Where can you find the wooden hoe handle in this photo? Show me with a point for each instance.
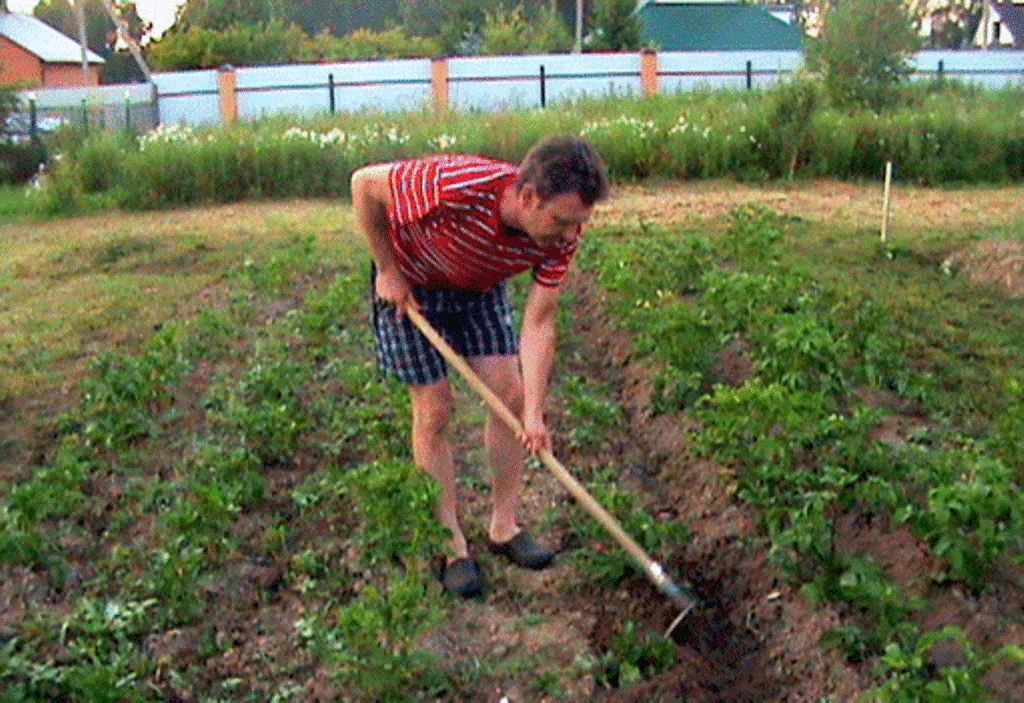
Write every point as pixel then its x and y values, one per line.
pixel 651 568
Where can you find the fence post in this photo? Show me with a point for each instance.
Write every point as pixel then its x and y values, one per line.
pixel 439 73
pixel 543 88
pixel 750 74
pixel 127 111
pixel 330 87
pixel 33 117
pixel 649 72
pixel 942 68
pixel 228 95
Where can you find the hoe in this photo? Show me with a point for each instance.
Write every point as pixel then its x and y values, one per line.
pixel 685 600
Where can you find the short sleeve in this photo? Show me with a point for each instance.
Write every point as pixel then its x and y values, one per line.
pixel 552 271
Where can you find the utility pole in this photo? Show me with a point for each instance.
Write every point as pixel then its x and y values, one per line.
pixel 578 47
pixel 83 39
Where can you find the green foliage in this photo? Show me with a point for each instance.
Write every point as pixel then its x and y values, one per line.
pixel 395 502
pixel 371 642
pixel 364 44
pixel 609 564
pixel 126 394
pixel 262 410
pixel 911 677
pixel 247 44
pixel 615 26
pixel 219 15
pixel 593 414
pixel 101 658
pixel 633 656
pixel 864 51
pixel 99 28
pixel 508 31
pixel 1007 438
pixel 878 602
pixel 789 111
pixel 943 137
pixel 972 514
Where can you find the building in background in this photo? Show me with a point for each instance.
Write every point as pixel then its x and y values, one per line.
pixel 1002 26
pixel 35 55
pixel 716 25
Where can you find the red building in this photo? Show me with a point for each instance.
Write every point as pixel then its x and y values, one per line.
pixel 35 55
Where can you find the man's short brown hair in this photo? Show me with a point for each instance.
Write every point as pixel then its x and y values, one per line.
pixel 565 164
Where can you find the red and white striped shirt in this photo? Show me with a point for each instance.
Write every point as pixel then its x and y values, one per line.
pixel 446 228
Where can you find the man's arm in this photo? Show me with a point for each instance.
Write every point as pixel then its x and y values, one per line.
pixel 371 199
pixel 536 354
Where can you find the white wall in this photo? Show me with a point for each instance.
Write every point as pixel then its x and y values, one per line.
pixel 496 82
pixel 686 70
pixel 304 89
pixel 192 97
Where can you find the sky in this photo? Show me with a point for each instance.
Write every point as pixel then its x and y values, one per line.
pixel 159 12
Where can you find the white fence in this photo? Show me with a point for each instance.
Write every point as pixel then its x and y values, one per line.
pixel 485 83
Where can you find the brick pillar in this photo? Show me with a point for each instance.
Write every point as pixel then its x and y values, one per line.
pixel 649 72
pixel 439 81
pixel 228 95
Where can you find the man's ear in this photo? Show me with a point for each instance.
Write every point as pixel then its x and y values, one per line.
pixel 528 196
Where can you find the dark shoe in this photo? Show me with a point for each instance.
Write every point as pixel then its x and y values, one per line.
pixel 463 578
pixel 523 550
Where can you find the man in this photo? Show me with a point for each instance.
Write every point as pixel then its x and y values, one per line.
pixel 445 233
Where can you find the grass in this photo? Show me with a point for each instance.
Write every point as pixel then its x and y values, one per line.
pixel 110 279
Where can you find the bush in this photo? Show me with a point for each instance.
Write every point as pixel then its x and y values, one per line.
pixel 275 42
pixel 507 31
pixel 864 52
pixel 19 162
pixel 363 44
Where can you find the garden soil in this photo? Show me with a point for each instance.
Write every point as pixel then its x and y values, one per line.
pixel 756 638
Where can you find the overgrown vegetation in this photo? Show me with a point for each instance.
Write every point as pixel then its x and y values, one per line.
pixel 943 135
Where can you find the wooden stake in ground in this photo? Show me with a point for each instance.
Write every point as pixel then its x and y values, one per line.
pixel 885 200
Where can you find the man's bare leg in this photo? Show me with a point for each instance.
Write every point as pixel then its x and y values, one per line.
pixel 504 452
pixel 432 452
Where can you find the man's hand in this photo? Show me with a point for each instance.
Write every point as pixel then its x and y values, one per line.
pixel 535 436
pixel 395 289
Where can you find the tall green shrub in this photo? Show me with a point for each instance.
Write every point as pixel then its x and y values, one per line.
pixel 864 52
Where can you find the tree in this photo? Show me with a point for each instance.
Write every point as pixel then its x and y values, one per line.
pixel 275 42
pixel 100 30
pixel 508 32
pixel 615 26
pixel 219 15
pixel 863 52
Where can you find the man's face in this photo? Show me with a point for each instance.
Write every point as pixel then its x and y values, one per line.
pixel 557 220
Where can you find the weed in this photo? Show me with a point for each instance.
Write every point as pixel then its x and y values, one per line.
pixel 593 415
pixel 632 657
pixel 911 677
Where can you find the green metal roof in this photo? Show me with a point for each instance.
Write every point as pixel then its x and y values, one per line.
pixel 716 27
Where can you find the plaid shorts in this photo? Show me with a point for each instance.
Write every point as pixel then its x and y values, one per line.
pixel 475 324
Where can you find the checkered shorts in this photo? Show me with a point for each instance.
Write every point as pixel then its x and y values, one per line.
pixel 474 324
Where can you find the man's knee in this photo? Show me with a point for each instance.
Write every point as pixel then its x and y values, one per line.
pixel 510 390
pixel 432 409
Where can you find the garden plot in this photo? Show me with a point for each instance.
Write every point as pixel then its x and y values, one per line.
pixel 223 508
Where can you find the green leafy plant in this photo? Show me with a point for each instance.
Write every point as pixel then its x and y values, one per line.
pixel 882 609
pixel 633 656
pixel 864 52
pixel 911 678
